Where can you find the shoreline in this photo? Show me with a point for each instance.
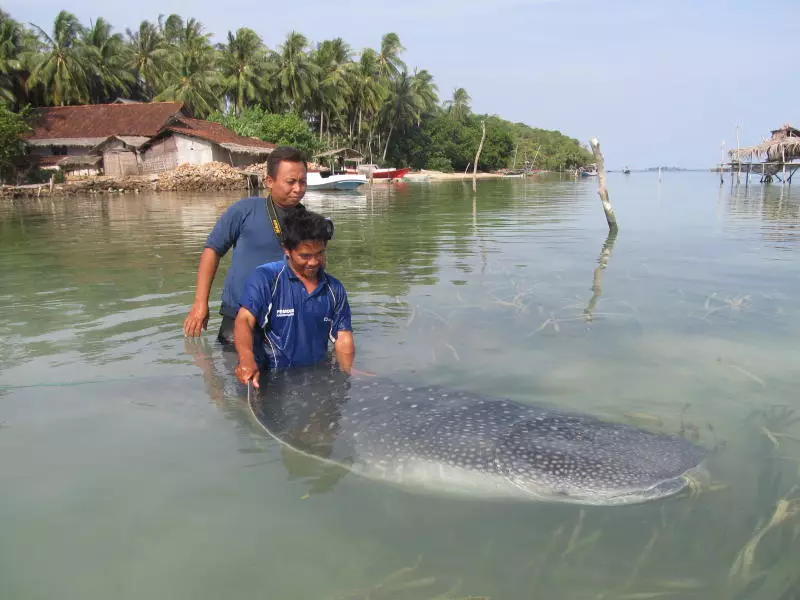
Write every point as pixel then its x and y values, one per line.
pixel 439 175
pixel 188 178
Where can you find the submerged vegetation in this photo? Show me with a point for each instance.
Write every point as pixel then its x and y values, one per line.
pixel 316 96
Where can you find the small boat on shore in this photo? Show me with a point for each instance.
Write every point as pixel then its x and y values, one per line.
pixel 588 171
pixel 390 173
pixel 325 180
pixel 376 173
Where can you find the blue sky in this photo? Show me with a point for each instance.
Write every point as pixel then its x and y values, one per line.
pixel 658 82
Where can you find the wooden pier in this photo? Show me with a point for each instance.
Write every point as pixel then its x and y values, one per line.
pixel 779 156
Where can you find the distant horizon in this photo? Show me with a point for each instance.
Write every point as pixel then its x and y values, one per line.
pixel 614 71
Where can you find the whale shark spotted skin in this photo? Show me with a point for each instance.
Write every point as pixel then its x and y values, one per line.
pixel 430 438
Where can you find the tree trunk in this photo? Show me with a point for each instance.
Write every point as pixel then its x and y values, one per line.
pixel 477 157
pixel 601 181
pixel 388 137
pixel 321 121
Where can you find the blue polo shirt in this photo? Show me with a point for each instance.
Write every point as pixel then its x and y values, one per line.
pixel 244 226
pixel 292 326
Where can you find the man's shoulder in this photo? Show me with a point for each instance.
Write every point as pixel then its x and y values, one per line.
pixel 246 205
pixel 265 276
pixel 271 269
pixel 336 285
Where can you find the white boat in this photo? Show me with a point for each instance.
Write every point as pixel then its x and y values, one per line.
pixel 325 181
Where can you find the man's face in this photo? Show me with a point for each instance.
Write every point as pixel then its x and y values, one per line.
pixel 308 258
pixel 289 185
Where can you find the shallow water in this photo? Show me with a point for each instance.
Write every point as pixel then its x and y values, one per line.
pixel 131 468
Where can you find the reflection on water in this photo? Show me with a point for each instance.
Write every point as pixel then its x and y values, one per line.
pixel 776 207
pixel 146 476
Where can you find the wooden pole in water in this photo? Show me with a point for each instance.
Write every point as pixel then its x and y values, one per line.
pixel 722 163
pixel 477 156
pixel 783 158
pixel 602 190
pixel 738 160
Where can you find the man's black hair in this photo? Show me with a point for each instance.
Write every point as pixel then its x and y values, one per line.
pixel 281 154
pixel 305 226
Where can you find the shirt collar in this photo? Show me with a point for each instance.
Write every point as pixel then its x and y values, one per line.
pixel 323 276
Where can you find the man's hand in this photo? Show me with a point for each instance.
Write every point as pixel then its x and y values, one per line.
pixel 196 320
pixel 247 370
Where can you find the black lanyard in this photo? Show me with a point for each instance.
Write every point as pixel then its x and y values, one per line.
pixel 273 217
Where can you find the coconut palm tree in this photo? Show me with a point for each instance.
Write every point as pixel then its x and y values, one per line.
pixel 459 106
pixel 10 64
pixel 368 94
pixel 192 77
pixel 332 92
pixel 296 73
pixel 403 107
pixel 147 58
pixel 107 62
pixel 426 90
pixel 389 63
pixel 62 69
pixel 171 28
pixel 243 64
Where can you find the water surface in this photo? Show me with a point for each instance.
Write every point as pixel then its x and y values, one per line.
pixel 131 468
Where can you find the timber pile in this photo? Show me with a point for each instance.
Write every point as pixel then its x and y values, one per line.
pixel 256 167
pixel 198 178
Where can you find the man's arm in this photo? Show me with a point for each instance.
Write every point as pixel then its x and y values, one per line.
pixel 247 369
pixel 222 237
pixel 345 349
pixel 197 319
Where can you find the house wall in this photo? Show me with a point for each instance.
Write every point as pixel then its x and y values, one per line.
pixel 161 156
pixel 119 161
pixel 178 149
pixel 192 150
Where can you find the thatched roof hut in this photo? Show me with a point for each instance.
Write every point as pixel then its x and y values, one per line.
pixel 783 146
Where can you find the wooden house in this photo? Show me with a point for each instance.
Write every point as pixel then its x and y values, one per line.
pixel 134 138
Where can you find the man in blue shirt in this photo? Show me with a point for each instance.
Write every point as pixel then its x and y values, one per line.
pixel 290 309
pixel 252 228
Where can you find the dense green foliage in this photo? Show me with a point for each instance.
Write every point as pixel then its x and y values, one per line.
pixel 314 96
pixel 285 130
pixel 12 128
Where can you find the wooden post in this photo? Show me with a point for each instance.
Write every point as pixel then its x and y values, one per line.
pixel 783 158
pixel 602 190
pixel 477 156
pixel 738 160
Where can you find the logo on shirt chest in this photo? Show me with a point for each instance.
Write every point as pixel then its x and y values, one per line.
pixel 284 312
